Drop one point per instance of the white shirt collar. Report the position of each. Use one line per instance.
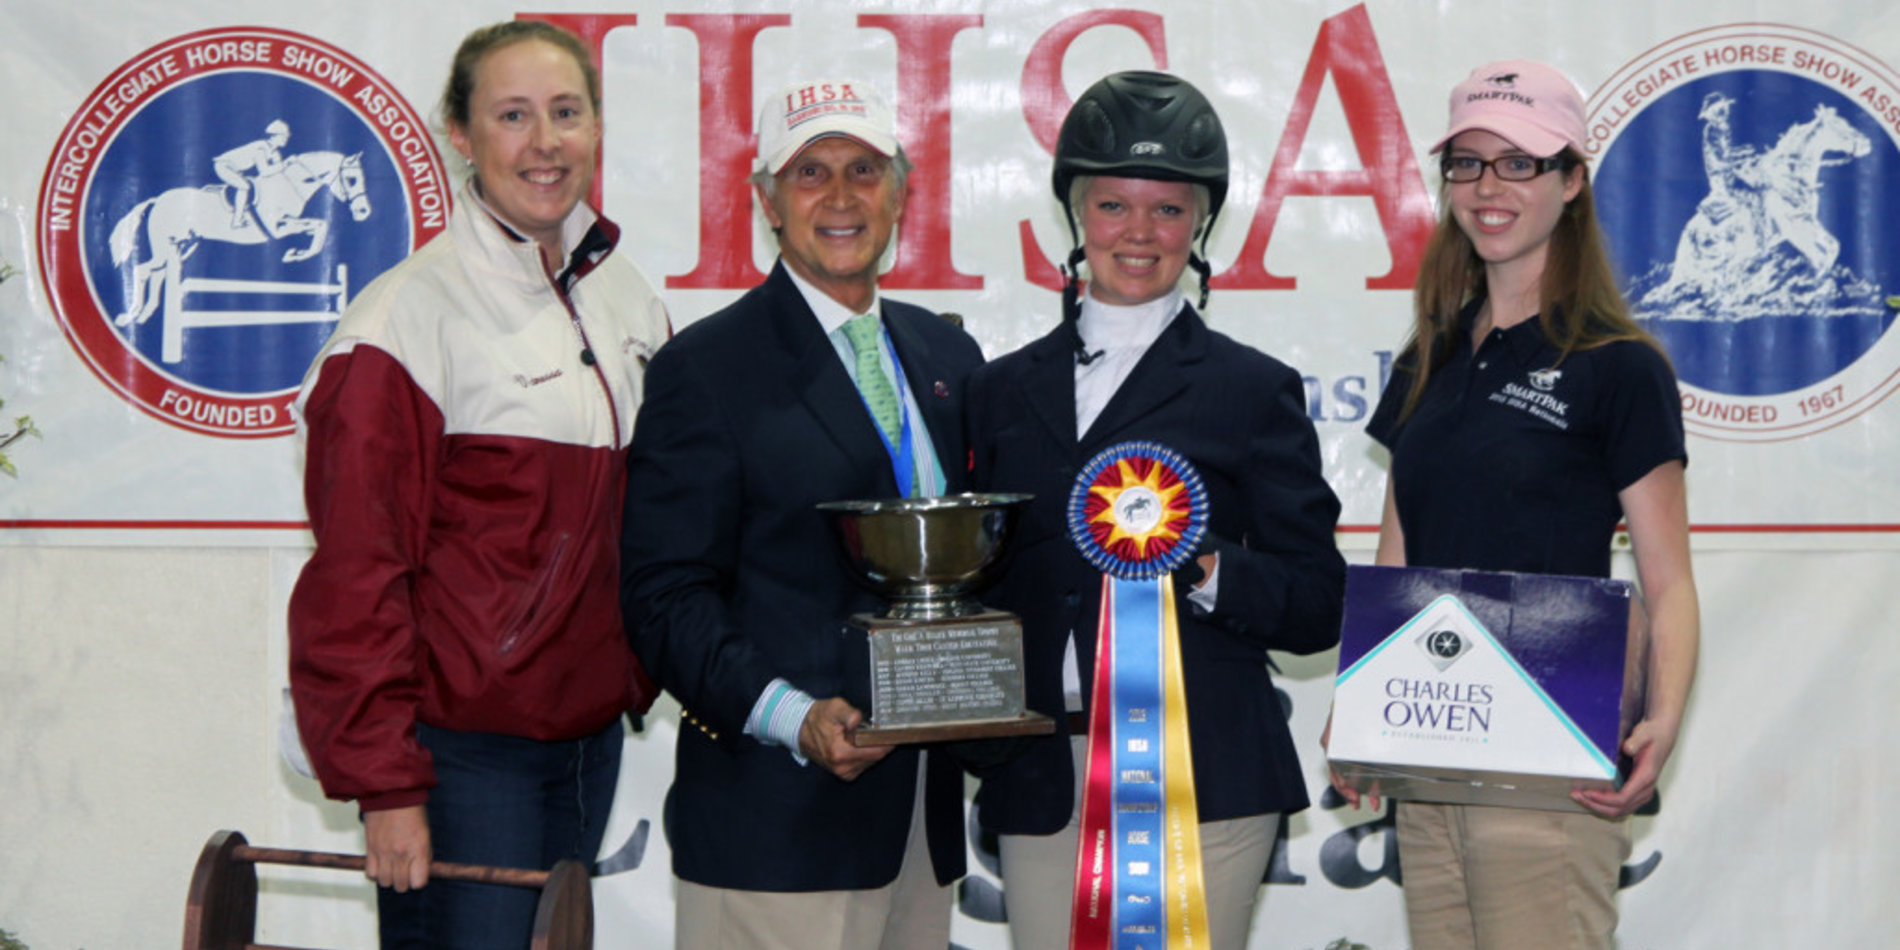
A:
(1111, 327)
(830, 313)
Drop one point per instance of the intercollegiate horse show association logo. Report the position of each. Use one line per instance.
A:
(212, 206)
(1744, 179)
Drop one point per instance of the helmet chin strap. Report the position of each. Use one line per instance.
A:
(1198, 261)
(1072, 290)
(1072, 307)
(1072, 302)
(1202, 268)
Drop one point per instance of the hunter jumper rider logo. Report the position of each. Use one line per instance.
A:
(1753, 216)
(210, 210)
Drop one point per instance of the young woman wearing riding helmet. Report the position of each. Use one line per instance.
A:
(1141, 172)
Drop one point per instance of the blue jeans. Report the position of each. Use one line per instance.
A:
(503, 801)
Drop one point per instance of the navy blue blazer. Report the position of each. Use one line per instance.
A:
(731, 577)
(1240, 417)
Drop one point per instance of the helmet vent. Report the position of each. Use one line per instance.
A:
(1203, 137)
(1151, 103)
(1097, 129)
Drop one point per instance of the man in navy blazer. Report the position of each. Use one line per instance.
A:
(736, 593)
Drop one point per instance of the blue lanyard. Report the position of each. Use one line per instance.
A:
(903, 463)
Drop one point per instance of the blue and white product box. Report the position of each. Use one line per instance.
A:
(1484, 688)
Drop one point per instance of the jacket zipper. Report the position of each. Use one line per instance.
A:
(587, 346)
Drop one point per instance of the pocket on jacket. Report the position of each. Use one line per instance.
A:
(521, 626)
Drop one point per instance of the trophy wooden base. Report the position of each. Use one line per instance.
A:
(1027, 724)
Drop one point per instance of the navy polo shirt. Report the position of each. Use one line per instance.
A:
(1512, 461)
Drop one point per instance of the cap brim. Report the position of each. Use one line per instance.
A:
(1533, 139)
(880, 144)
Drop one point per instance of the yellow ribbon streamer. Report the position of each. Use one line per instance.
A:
(1186, 891)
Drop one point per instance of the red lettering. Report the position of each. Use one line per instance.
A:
(1347, 49)
(923, 125)
(592, 28)
(726, 147)
(1046, 102)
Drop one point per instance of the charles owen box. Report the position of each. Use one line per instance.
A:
(1484, 688)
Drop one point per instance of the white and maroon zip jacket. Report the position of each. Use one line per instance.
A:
(465, 433)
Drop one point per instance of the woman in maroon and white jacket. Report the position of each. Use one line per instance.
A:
(457, 657)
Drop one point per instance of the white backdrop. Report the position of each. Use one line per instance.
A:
(144, 564)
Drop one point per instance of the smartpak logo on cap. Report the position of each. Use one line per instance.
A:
(1529, 104)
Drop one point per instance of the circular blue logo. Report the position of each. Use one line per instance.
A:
(215, 205)
(1745, 183)
(257, 287)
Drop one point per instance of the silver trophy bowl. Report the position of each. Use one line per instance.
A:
(925, 555)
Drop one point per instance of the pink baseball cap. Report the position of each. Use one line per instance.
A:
(1533, 106)
(804, 112)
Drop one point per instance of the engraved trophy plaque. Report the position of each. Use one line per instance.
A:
(942, 666)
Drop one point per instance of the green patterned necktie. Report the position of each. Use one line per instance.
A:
(873, 383)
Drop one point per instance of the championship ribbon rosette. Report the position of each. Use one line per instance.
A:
(1138, 511)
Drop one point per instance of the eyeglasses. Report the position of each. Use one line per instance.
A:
(1468, 168)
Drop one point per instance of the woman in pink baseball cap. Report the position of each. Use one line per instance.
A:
(1527, 416)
